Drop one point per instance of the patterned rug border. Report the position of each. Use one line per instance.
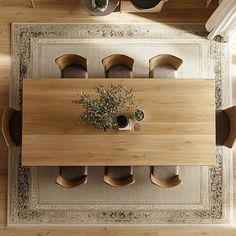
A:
(19, 213)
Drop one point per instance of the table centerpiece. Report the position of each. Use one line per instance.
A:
(106, 110)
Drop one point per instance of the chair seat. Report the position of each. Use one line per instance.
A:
(165, 172)
(164, 71)
(72, 176)
(15, 127)
(119, 172)
(119, 71)
(222, 127)
(74, 72)
(73, 172)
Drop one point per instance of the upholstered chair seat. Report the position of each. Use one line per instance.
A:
(74, 71)
(72, 176)
(119, 172)
(165, 177)
(118, 175)
(119, 71)
(164, 71)
(12, 127)
(72, 66)
(222, 127)
(226, 127)
(15, 127)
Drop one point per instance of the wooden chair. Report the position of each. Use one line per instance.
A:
(72, 66)
(164, 66)
(118, 176)
(165, 177)
(226, 127)
(72, 176)
(118, 66)
(12, 127)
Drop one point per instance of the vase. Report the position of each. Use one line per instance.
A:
(122, 121)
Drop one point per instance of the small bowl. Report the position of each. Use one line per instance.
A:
(138, 115)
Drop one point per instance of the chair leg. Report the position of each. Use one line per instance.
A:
(32, 3)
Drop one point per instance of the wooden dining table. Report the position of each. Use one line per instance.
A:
(178, 127)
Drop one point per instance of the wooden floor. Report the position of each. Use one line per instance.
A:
(175, 11)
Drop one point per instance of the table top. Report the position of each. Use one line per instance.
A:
(178, 128)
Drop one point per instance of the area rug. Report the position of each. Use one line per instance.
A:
(205, 195)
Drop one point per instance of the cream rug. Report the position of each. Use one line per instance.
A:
(34, 199)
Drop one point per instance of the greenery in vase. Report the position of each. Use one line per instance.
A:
(101, 112)
(138, 115)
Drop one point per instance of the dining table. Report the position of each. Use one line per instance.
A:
(178, 126)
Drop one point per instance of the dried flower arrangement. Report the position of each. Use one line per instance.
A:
(101, 112)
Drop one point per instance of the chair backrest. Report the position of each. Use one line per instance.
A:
(231, 113)
(117, 59)
(6, 127)
(164, 63)
(71, 60)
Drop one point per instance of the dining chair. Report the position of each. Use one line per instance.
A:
(12, 127)
(72, 66)
(164, 66)
(166, 176)
(118, 66)
(118, 176)
(72, 176)
(226, 127)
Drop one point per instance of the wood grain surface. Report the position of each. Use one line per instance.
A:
(178, 128)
